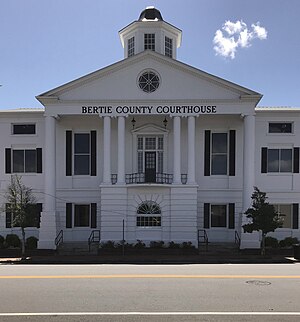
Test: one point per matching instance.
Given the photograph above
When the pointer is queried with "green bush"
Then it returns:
(108, 245)
(288, 242)
(271, 242)
(187, 245)
(173, 245)
(139, 244)
(157, 244)
(13, 240)
(2, 239)
(31, 242)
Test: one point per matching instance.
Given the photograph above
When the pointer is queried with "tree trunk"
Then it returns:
(23, 242)
(263, 244)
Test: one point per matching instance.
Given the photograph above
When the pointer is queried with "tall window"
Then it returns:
(285, 212)
(33, 219)
(130, 47)
(218, 215)
(82, 215)
(148, 144)
(149, 215)
(82, 153)
(219, 153)
(169, 47)
(149, 42)
(280, 160)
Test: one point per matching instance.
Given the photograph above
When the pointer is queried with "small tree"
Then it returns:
(20, 203)
(263, 217)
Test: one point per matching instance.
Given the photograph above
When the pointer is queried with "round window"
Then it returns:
(149, 82)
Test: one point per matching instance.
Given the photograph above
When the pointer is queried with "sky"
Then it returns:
(47, 43)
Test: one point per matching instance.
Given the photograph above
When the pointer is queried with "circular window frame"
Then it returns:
(150, 82)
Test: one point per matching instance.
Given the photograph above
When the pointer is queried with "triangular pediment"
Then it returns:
(149, 129)
(119, 82)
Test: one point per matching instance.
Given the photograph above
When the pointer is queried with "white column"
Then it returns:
(248, 240)
(177, 150)
(191, 177)
(48, 230)
(121, 150)
(106, 150)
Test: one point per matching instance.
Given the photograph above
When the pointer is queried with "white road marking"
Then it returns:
(149, 313)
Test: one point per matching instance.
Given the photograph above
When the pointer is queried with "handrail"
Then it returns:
(237, 238)
(59, 238)
(94, 237)
(204, 236)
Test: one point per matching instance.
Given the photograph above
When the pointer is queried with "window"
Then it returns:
(148, 82)
(130, 47)
(33, 219)
(82, 215)
(284, 211)
(23, 128)
(169, 47)
(279, 160)
(81, 153)
(24, 161)
(147, 209)
(218, 216)
(219, 152)
(279, 127)
(149, 42)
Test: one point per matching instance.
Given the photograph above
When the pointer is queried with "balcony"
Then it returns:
(140, 178)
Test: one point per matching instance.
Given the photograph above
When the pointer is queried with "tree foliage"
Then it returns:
(20, 202)
(262, 215)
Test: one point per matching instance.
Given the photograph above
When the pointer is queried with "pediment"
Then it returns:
(150, 129)
(119, 82)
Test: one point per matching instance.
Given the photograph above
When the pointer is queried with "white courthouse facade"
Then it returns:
(151, 149)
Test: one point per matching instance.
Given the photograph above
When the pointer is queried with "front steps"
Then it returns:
(77, 248)
(219, 248)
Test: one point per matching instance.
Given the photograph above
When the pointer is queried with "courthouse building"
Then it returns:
(153, 145)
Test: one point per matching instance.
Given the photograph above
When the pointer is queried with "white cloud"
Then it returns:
(234, 35)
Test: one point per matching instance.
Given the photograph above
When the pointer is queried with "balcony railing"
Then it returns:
(137, 178)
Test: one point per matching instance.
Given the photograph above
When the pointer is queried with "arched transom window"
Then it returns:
(149, 214)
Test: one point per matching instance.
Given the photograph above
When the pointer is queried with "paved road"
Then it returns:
(175, 292)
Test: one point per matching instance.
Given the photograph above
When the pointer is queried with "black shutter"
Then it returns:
(93, 153)
(68, 215)
(295, 216)
(231, 216)
(206, 215)
(207, 153)
(264, 160)
(68, 153)
(93, 215)
(232, 153)
(39, 160)
(7, 160)
(39, 209)
(296, 160)
(8, 217)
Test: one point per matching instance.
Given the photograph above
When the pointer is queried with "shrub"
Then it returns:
(157, 244)
(13, 240)
(288, 242)
(173, 245)
(31, 242)
(2, 239)
(108, 245)
(187, 245)
(271, 242)
(139, 244)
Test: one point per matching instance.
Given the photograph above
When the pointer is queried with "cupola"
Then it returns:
(150, 32)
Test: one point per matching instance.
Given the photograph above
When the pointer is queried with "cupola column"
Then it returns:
(177, 150)
(106, 150)
(121, 150)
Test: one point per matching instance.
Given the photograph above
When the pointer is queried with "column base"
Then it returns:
(46, 244)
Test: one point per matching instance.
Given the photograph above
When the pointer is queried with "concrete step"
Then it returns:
(219, 248)
(77, 248)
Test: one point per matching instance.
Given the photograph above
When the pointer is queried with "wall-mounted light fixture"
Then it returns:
(133, 121)
(165, 121)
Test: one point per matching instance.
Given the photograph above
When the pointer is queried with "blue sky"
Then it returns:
(46, 43)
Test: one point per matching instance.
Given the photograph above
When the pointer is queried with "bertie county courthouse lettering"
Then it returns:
(156, 143)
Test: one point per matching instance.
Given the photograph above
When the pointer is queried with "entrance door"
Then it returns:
(150, 166)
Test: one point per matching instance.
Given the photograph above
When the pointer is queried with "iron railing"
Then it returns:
(94, 238)
(202, 238)
(139, 177)
(237, 239)
(59, 238)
